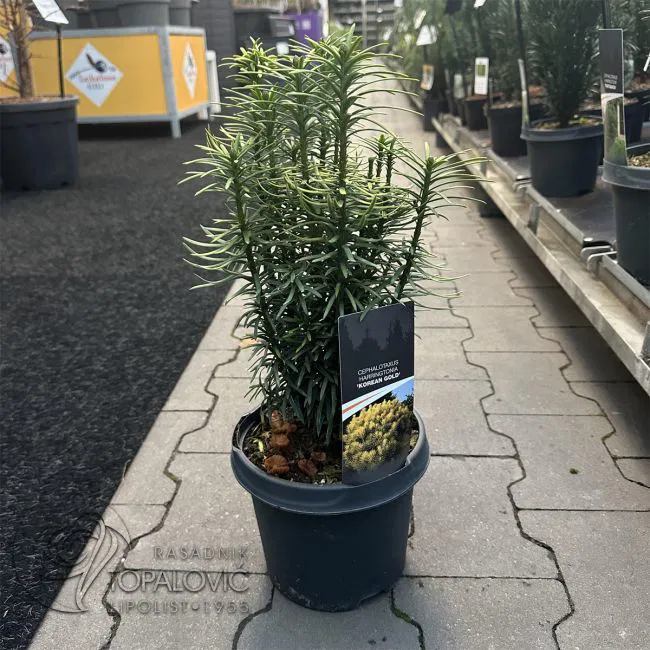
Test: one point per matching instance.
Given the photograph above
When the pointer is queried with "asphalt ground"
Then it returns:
(97, 324)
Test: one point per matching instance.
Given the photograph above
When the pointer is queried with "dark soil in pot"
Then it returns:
(564, 162)
(38, 143)
(631, 189)
(330, 547)
(451, 103)
(474, 113)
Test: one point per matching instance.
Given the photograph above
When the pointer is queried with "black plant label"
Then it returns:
(611, 94)
(377, 362)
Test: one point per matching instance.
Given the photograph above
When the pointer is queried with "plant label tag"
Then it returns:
(427, 77)
(481, 73)
(50, 11)
(377, 365)
(459, 91)
(525, 119)
(612, 75)
(427, 36)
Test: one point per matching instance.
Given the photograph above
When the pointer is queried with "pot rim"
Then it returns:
(35, 105)
(331, 499)
(570, 133)
(634, 178)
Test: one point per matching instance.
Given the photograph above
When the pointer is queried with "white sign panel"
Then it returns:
(50, 11)
(93, 75)
(189, 70)
(427, 36)
(481, 72)
(282, 48)
(6, 60)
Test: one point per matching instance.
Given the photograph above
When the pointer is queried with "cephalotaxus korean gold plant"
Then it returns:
(327, 211)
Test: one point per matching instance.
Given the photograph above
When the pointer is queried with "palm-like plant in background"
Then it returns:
(327, 211)
(562, 37)
(505, 51)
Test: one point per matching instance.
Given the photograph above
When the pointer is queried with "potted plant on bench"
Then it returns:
(38, 134)
(564, 150)
(327, 216)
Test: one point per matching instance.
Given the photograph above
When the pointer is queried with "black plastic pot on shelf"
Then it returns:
(643, 95)
(563, 162)
(433, 106)
(504, 123)
(462, 113)
(474, 113)
(451, 103)
(631, 190)
(330, 547)
(39, 144)
(633, 120)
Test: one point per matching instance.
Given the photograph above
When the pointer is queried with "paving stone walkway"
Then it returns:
(531, 527)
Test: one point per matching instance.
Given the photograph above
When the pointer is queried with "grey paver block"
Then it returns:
(466, 236)
(603, 557)
(65, 626)
(238, 368)
(210, 510)
(504, 329)
(530, 383)
(487, 290)
(567, 464)
(628, 408)
(635, 469)
(509, 242)
(223, 331)
(465, 526)
(232, 404)
(529, 271)
(439, 355)
(205, 620)
(454, 420)
(288, 626)
(470, 259)
(145, 481)
(438, 317)
(555, 307)
(591, 358)
(484, 613)
(189, 394)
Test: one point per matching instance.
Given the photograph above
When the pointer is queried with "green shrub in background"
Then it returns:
(562, 42)
(376, 434)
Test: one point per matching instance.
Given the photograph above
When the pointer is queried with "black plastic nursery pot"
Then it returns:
(433, 106)
(563, 162)
(330, 547)
(643, 95)
(631, 190)
(462, 112)
(474, 113)
(504, 123)
(451, 103)
(38, 144)
(633, 120)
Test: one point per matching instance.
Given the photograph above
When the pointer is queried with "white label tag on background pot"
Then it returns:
(481, 74)
(50, 11)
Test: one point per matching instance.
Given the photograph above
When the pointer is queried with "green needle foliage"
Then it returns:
(327, 211)
(563, 42)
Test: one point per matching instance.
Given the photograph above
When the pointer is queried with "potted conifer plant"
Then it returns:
(38, 134)
(327, 217)
(564, 150)
(505, 115)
